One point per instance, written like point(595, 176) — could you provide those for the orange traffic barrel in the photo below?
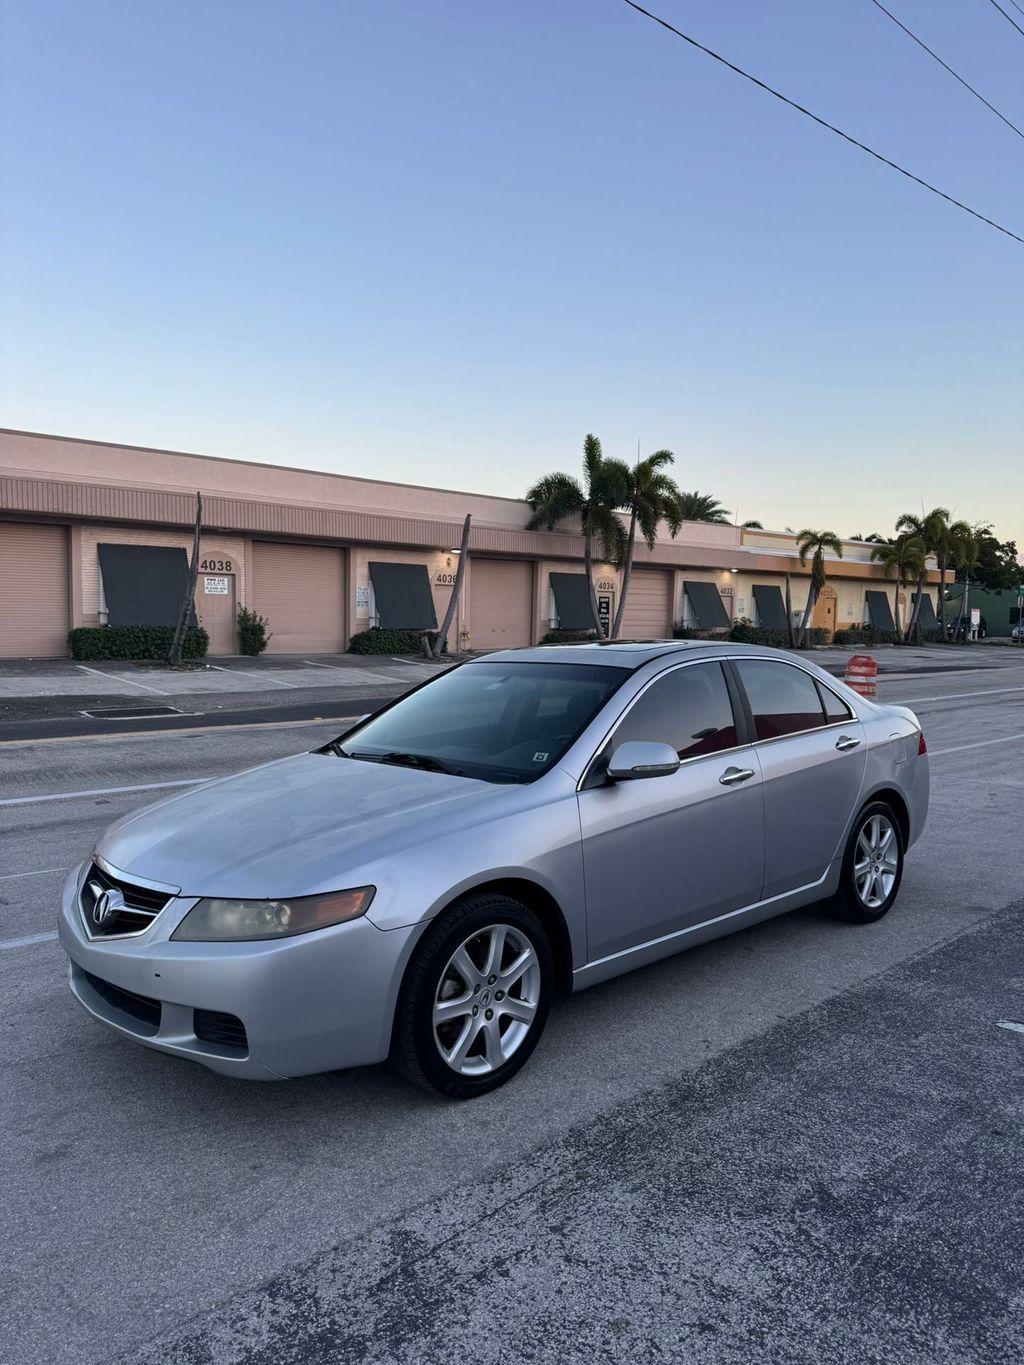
point(862, 675)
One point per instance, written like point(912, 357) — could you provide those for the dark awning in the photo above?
point(143, 585)
point(771, 609)
point(706, 601)
point(402, 596)
point(572, 601)
point(927, 620)
point(880, 612)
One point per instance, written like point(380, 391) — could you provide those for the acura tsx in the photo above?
point(529, 822)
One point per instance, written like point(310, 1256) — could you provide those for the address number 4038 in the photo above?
point(216, 565)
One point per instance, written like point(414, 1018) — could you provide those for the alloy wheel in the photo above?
point(876, 861)
point(486, 1000)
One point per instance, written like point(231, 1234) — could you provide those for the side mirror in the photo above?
point(640, 758)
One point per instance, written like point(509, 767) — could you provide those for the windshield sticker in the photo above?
point(540, 758)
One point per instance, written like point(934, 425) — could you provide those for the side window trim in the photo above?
point(740, 719)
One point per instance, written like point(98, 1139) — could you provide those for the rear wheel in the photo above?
point(475, 998)
point(872, 866)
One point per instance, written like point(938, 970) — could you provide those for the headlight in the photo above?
point(219, 921)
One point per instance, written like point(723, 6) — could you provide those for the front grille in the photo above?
point(225, 1029)
point(141, 1008)
point(141, 904)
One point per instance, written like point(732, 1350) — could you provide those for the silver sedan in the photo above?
point(530, 822)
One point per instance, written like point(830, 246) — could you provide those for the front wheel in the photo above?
point(872, 866)
point(475, 998)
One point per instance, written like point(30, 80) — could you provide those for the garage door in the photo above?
point(500, 603)
point(648, 612)
point(33, 591)
point(300, 589)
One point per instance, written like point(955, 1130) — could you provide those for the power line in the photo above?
point(822, 122)
point(1008, 17)
point(956, 75)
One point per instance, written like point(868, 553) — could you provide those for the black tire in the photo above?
point(848, 902)
point(415, 1049)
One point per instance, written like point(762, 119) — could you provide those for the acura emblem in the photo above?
point(106, 903)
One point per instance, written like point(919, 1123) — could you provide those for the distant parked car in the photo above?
point(533, 821)
point(1017, 633)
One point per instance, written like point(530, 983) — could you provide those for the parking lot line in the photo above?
point(39, 872)
point(979, 744)
point(105, 791)
point(949, 696)
point(27, 942)
point(252, 673)
point(120, 678)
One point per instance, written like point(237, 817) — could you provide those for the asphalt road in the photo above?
point(801, 1143)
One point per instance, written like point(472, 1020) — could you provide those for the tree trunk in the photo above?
point(962, 612)
point(912, 624)
point(627, 569)
point(453, 601)
point(942, 598)
point(789, 611)
point(899, 632)
point(811, 603)
point(588, 569)
point(188, 602)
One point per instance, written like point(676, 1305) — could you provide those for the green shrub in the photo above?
point(568, 637)
point(134, 642)
point(380, 640)
point(864, 635)
point(252, 631)
point(681, 632)
point(745, 632)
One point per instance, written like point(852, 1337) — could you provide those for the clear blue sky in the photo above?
point(441, 241)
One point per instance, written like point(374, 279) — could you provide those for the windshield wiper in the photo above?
point(424, 761)
point(333, 747)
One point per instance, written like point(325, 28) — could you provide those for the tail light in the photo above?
point(922, 748)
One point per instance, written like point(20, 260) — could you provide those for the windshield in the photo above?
point(503, 722)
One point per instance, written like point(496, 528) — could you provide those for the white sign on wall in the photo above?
point(362, 597)
point(215, 587)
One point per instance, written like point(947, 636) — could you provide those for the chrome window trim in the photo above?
point(715, 661)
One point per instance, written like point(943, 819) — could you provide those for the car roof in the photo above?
point(630, 654)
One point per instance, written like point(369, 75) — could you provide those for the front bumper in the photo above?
point(315, 1002)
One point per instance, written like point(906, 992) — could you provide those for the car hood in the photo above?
point(293, 827)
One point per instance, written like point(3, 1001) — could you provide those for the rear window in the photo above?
point(783, 700)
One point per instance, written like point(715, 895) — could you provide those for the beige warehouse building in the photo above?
point(88, 527)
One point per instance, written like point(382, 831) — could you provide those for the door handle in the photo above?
point(732, 776)
point(845, 742)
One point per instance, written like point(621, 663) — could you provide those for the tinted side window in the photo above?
point(784, 700)
point(689, 709)
point(834, 708)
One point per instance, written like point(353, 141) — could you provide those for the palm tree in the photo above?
point(904, 557)
point(815, 543)
point(753, 526)
point(698, 506)
point(932, 529)
point(653, 498)
point(605, 487)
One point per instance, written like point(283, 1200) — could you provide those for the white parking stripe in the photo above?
point(251, 673)
point(119, 678)
point(949, 696)
point(1011, 1024)
point(980, 744)
point(39, 872)
point(104, 791)
point(25, 942)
